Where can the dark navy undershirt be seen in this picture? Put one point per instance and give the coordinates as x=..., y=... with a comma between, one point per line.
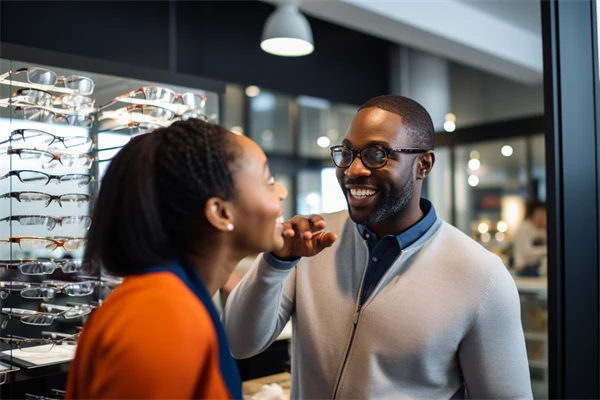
x=384, y=251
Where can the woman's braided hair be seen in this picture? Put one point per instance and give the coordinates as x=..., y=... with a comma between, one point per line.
x=150, y=207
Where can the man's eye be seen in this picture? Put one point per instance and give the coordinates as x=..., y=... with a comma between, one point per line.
x=271, y=180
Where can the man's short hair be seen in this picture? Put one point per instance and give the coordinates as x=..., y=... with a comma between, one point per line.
x=419, y=125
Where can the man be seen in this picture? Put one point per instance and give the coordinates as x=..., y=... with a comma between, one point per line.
x=529, y=248
x=403, y=305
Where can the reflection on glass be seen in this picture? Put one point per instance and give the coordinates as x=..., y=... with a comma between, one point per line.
x=321, y=125
x=269, y=121
x=436, y=187
x=319, y=192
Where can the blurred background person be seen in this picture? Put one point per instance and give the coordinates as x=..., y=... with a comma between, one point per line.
x=529, y=249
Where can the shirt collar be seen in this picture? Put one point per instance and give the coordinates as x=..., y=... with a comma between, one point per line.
x=410, y=235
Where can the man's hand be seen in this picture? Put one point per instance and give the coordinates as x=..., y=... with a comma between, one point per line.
x=304, y=237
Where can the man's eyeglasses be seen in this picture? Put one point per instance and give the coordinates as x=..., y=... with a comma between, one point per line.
x=47, y=267
x=47, y=158
x=28, y=197
x=372, y=157
x=50, y=222
x=49, y=244
x=42, y=179
x=35, y=139
x=42, y=78
x=38, y=345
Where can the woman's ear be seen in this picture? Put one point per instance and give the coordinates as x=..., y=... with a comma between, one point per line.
x=425, y=164
x=219, y=214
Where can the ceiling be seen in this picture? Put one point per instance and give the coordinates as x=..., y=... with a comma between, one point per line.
x=501, y=37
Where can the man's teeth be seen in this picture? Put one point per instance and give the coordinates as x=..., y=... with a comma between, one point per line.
x=361, y=193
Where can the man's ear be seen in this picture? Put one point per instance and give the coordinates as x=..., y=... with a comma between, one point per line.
x=425, y=164
x=218, y=213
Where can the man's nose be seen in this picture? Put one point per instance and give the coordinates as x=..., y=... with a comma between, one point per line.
x=357, y=168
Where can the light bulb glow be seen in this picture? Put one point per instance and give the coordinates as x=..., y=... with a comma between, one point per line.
x=450, y=117
x=323, y=141
x=499, y=236
x=483, y=227
x=473, y=180
x=474, y=164
x=485, y=237
x=507, y=151
x=449, y=126
x=502, y=226
x=287, y=47
x=252, y=91
x=475, y=154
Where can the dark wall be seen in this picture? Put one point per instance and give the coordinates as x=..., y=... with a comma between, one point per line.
x=130, y=32
x=215, y=39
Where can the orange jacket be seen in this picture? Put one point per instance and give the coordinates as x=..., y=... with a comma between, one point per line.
x=152, y=338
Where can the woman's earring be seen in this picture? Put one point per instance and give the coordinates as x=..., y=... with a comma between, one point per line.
x=230, y=227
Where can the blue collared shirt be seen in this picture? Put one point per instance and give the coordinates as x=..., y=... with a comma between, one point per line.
x=383, y=252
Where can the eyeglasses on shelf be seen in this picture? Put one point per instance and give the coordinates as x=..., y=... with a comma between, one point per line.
x=42, y=179
x=50, y=115
x=28, y=197
x=47, y=266
x=50, y=244
x=34, y=138
x=44, y=79
x=41, y=345
x=46, y=317
x=47, y=158
x=50, y=222
x=169, y=101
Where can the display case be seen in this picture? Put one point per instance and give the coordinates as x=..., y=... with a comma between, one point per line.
x=59, y=129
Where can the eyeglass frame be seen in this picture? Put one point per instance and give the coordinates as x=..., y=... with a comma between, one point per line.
x=18, y=340
x=50, y=177
x=60, y=139
x=18, y=97
x=56, y=156
x=39, y=86
x=62, y=114
x=57, y=287
x=58, y=219
x=59, y=242
x=19, y=313
x=168, y=105
x=388, y=152
x=17, y=195
x=85, y=265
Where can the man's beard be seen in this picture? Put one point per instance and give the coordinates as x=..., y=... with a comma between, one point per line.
x=391, y=203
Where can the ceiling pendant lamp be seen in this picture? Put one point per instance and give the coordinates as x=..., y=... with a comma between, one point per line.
x=287, y=33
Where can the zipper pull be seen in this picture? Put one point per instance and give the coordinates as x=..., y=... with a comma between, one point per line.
x=357, y=314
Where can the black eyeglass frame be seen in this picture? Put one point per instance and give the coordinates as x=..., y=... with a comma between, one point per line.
x=388, y=152
x=87, y=141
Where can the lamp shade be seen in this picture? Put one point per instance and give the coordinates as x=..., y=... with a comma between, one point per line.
x=287, y=33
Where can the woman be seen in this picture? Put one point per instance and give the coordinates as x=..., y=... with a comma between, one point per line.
x=177, y=210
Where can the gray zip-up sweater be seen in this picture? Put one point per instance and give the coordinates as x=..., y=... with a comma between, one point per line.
x=444, y=318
